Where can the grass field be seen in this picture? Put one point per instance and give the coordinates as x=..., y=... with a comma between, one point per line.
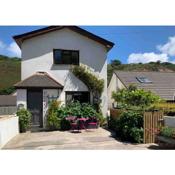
x=10, y=71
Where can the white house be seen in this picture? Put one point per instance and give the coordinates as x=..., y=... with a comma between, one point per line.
x=47, y=55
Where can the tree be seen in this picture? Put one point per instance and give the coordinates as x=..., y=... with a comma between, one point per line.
x=115, y=62
x=135, y=98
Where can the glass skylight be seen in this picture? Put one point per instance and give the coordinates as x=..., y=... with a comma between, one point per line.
x=143, y=80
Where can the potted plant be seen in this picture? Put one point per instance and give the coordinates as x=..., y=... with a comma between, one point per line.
x=166, y=137
x=24, y=119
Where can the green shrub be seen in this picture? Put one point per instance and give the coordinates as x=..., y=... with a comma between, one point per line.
x=87, y=110
x=129, y=126
x=167, y=132
x=53, y=121
x=24, y=119
x=76, y=109
x=101, y=119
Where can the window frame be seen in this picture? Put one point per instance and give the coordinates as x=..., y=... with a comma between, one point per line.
x=75, y=92
x=62, y=50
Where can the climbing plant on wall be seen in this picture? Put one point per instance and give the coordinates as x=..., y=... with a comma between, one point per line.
x=95, y=84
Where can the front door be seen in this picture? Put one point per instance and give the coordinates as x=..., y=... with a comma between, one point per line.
x=34, y=105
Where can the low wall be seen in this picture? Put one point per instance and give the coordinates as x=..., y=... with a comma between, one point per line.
x=169, y=121
x=8, y=129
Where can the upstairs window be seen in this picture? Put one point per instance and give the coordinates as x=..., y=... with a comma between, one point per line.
x=66, y=56
x=143, y=80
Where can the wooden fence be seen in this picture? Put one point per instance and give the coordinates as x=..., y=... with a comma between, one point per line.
x=8, y=110
x=152, y=123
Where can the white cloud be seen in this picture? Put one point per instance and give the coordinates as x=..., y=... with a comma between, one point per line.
x=2, y=45
x=147, y=57
x=169, y=47
x=14, y=50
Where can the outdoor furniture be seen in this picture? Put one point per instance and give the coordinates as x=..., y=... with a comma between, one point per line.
x=82, y=123
x=92, y=123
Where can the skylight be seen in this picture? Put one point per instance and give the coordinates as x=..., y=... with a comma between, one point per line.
x=143, y=80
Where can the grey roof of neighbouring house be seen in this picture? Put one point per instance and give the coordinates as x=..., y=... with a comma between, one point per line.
x=163, y=83
x=39, y=80
x=7, y=100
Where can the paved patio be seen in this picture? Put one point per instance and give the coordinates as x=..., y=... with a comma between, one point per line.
x=98, y=139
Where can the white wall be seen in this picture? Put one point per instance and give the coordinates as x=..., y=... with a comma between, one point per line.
x=8, y=129
x=114, y=85
x=22, y=97
x=37, y=55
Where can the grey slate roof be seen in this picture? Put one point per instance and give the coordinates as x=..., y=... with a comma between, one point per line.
x=39, y=80
x=163, y=83
x=7, y=100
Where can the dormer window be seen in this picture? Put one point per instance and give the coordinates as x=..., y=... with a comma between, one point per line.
x=66, y=56
x=143, y=80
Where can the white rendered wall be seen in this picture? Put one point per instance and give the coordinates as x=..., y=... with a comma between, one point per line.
x=114, y=85
x=37, y=55
x=22, y=97
x=8, y=129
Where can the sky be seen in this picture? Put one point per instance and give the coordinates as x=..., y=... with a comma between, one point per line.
x=133, y=44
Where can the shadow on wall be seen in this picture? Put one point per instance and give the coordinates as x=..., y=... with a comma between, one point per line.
x=72, y=83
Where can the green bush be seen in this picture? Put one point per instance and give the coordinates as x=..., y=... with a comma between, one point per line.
x=87, y=110
x=129, y=127
x=24, y=119
x=134, y=98
x=76, y=109
x=101, y=119
x=53, y=121
x=167, y=132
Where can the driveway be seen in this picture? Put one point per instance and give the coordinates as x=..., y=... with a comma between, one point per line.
x=98, y=139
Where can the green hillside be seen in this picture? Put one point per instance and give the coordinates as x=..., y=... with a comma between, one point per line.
x=10, y=73
x=152, y=66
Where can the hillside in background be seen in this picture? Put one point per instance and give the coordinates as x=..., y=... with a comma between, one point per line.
x=10, y=70
x=152, y=66
x=10, y=73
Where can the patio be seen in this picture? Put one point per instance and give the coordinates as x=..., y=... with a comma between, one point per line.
x=97, y=139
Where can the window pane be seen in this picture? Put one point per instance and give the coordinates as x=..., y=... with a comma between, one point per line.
x=75, y=57
x=66, y=56
x=82, y=97
x=57, y=57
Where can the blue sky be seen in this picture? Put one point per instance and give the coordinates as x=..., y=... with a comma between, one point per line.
x=132, y=43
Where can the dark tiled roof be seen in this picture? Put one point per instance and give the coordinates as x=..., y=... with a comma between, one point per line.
x=163, y=83
x=20, y=38
x=7, y=100
x=39, y=80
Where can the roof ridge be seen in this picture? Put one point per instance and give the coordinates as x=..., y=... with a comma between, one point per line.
x=143, y=71
x=19, y=38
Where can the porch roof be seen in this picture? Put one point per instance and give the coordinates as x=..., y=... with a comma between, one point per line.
x=38, y=80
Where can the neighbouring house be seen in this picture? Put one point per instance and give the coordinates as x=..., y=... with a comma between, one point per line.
x=7, y=104
x=160, y=83
x=47, y=56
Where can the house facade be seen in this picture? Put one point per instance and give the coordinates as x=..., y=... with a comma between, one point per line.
x=160, y=83
x=47, y=56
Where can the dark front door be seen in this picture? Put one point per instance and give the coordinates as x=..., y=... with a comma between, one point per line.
x=34, y=105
